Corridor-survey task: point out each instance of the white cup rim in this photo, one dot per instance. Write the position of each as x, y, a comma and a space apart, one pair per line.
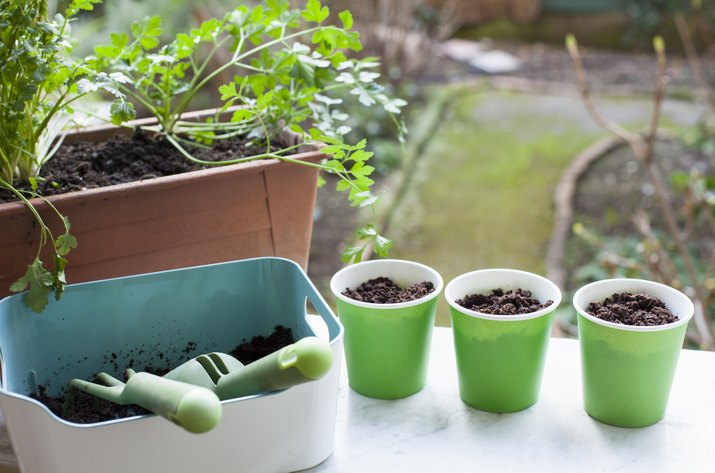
515, 273
644, 286
428, 274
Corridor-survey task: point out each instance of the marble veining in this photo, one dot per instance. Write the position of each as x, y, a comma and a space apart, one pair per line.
434, 431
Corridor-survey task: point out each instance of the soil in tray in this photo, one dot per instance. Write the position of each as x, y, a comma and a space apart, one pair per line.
513, 302
82, 408
383, 290
632, 309
85, 165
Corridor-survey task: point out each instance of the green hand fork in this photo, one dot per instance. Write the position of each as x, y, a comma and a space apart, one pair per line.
194, 408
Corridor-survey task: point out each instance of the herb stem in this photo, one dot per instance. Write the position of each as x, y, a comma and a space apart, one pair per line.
174, 140
194, 88
44, 230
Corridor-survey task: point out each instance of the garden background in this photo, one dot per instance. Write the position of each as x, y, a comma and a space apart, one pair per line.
503, 165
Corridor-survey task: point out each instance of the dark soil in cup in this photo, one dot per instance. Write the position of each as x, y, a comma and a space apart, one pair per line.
82, 408
513, 302
632, 309
383, 290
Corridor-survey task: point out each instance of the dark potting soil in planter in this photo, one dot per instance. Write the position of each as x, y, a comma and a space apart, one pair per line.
513, 302
260, 346
82, 408
383, 290
632, 309
86, 165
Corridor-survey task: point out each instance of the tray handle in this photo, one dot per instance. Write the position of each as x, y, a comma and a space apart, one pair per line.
324, 311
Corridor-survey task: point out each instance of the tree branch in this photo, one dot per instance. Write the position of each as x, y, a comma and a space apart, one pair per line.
643, 150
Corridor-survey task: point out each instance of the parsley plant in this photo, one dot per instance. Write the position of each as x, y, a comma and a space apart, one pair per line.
288, 66
38, 82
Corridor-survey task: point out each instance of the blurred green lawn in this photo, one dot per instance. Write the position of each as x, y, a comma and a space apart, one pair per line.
483, 192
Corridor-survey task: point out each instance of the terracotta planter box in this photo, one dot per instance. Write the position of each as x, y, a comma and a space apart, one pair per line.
261, 208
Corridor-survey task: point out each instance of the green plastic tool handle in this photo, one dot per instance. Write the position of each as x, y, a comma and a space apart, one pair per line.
194, 408
306, 360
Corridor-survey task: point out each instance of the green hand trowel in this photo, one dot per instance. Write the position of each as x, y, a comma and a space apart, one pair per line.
189, 395
306, 360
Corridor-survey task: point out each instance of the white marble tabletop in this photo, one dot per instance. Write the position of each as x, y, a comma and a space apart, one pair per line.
434, 431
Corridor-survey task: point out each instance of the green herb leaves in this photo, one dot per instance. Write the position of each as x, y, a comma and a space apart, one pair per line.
65, 242
39, 81
288, 67
350, 163
368, 236
315, 12
40, 282
78, 5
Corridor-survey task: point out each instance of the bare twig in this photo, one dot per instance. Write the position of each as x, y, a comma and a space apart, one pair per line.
706, 210
658, 96
705, 207
696, 65
643, 150
657, 259
703, 26
563, 206
634, 140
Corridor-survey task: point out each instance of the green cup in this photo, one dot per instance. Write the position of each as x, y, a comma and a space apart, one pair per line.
627, 371
386, 345
500, 358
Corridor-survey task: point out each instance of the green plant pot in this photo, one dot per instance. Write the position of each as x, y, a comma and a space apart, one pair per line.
628, 371
387, 345
500, 359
